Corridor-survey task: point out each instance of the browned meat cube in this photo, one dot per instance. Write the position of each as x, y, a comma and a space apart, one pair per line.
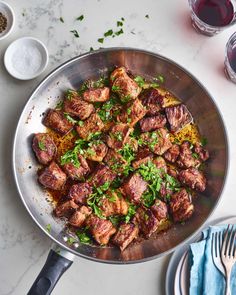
152, 123
181, 206
80, 192
134, 187
202, 153
172, 154
186, 158
142, 157
66, 209
91, 125
160, 210
115, 161
123, 85
126, 233
193, 178
132, 113
101, 229
77, 172
152, 99
178, 117
101, 175
97, 151
75, 106
158, 141
44, 148
165, 192
118, 136
160, 164
146, 221
97, 94
52, 177
172, 171
133, 143
111, 204
79, 216
57, 121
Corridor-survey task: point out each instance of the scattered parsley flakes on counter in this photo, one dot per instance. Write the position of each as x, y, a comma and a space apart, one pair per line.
119, 24
101, 40
75, 32
119, 32
91, 49
61, 19
108, 33
80, 18
147, 15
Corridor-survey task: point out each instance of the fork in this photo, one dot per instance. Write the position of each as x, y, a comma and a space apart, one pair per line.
228, 255
216, 243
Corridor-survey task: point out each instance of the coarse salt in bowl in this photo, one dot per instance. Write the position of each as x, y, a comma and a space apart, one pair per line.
26, 58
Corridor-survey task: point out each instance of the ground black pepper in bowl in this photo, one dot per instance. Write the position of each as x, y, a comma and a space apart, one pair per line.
3, 22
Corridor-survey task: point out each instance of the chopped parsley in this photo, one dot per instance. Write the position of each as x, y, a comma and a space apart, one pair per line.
204, 141
195, 155
41, 145
59, 105
131, 212
119, 32
80, 18
84, 238
115, 88
75, 33
61, 19
147, 15
80, 123
115, 220
101, 40
108, 33
139, 80
70, 119
119, 23
48, 227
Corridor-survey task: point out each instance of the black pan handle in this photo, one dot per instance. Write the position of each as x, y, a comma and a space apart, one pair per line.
56, 264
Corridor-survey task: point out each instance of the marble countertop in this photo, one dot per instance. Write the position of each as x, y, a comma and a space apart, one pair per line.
167, 30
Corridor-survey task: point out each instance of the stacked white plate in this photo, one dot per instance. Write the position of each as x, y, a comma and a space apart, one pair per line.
178, 272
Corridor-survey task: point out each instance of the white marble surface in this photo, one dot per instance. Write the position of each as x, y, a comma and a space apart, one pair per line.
23, 248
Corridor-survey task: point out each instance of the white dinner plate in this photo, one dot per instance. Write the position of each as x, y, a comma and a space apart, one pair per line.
177, 275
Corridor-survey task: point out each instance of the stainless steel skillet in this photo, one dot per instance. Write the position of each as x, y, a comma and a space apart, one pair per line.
70, 75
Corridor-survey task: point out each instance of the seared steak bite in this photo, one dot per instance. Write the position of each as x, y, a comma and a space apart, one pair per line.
44, 148
79, 216
160, 164
158, 141
96, 151
96, 94
132, 113
75, 172
115, 161
123, 85
118, 136
151, 98
186, 158
101, 229
152, 123
91, 125
52, 177
142, 157
172, 154
57, 121
111, 204
193, 178
134, 187
101, 175
133, 143
80, 192
181, 206
126, 233
66, 209
146, 220
75, 106
202, 153
172, 171
165, 192
178, 117
160, 210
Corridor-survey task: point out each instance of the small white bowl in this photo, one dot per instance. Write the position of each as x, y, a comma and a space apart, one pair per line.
7, 11
26, 58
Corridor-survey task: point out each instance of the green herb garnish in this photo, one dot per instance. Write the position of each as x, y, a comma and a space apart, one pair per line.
61, 19
59, 105
131, 213
101, 40
204, 141
119, 23
147, 16
41, 145
80, 18
119, 32
70, 119
108, 33
83, 237
48, 227
75, 33
139, 80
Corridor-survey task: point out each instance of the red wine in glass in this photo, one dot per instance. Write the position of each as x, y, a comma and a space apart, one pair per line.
217, 13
